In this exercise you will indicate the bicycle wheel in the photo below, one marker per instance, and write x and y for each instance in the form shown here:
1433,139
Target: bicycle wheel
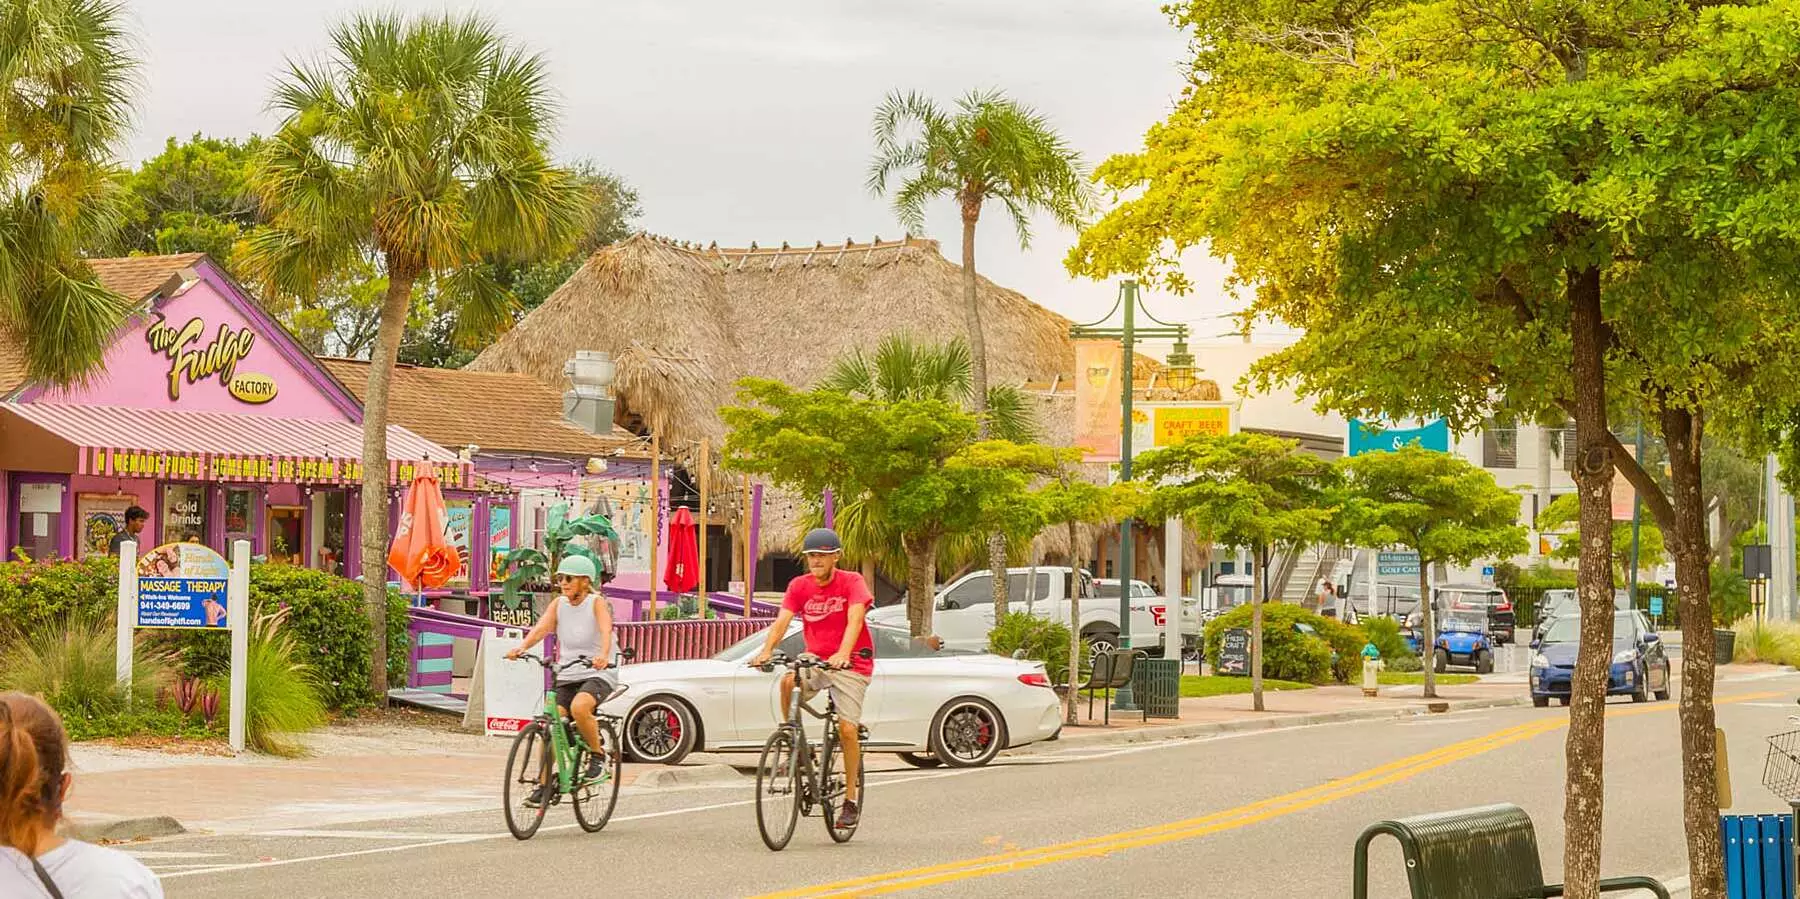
837,789
594,799
527,765
778,789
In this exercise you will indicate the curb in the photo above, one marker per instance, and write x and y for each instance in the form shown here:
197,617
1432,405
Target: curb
1172,732
99,829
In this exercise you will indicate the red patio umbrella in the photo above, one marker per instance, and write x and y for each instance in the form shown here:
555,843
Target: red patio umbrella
683,572
421,552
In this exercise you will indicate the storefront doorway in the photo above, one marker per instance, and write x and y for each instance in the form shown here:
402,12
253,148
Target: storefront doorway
286,546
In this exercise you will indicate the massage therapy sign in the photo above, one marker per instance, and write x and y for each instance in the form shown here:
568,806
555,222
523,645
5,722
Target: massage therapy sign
182,585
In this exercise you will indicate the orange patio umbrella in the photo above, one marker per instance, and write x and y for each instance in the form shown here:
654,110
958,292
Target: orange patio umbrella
421,552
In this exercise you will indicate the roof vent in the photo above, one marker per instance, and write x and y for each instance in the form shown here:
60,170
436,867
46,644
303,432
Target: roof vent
588,403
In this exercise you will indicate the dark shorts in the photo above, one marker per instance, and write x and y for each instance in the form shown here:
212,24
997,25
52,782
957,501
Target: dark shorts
597,687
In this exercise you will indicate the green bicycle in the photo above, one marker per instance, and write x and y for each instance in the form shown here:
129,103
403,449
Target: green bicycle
549,750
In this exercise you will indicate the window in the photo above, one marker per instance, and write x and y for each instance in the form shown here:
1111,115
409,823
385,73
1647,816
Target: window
329,533
39,519
459,529
240,515
183,514
1499,446
1019,581
978,588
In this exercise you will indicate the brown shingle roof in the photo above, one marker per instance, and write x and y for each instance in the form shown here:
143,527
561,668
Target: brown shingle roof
133,277
497,411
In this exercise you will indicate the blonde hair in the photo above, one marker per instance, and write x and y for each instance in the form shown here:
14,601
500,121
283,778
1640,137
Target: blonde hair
34,752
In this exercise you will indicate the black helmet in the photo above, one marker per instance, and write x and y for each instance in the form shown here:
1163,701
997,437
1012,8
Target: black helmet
822,540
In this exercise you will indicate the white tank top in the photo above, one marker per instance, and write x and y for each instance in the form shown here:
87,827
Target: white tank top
578,634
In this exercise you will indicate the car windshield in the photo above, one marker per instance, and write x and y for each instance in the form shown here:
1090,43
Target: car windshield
1469,599
1464,622
742,648
1568,629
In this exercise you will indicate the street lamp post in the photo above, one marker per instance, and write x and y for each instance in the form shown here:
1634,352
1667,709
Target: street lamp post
1127,336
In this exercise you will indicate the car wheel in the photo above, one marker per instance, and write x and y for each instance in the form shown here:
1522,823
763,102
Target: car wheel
1663,694
1642,693
1541,702
920,759
1440,661
1484,662
660,731
1101,639
967,733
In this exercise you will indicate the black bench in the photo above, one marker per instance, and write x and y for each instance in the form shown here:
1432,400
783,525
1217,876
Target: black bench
1473,853
1112,669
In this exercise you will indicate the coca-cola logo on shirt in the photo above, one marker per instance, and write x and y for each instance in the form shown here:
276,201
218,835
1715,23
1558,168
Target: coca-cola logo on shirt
820,607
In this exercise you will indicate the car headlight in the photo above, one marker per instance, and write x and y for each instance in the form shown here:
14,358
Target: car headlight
1538,661
1629,655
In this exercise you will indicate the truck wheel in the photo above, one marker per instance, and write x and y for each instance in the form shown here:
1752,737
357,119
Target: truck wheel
1101,639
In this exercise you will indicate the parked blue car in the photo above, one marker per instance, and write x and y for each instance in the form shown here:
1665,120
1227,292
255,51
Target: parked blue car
1640,666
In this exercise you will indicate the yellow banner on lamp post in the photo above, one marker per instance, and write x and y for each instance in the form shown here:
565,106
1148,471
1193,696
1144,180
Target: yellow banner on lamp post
1158,425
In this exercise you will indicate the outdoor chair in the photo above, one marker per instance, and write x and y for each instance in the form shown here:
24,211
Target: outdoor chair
1473,853
1112,669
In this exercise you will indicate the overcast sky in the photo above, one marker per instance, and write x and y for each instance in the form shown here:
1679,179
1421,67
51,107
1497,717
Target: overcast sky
746,121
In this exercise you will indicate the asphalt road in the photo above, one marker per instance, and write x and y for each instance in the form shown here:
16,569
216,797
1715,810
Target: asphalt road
1263,814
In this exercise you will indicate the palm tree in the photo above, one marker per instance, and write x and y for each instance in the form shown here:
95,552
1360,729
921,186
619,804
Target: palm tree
904,369
66,78
989,148
423,142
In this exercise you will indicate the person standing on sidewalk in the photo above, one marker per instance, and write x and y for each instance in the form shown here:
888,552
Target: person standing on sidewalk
34,784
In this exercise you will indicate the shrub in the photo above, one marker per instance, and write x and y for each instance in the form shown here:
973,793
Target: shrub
281,697
1347,642
1405,663
1042,639
1385,634
1287,653
70,663
1774,642
34,595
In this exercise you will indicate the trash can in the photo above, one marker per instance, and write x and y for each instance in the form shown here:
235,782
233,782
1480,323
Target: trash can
1156,685
1724,644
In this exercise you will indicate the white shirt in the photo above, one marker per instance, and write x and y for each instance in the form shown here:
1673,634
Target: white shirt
81,871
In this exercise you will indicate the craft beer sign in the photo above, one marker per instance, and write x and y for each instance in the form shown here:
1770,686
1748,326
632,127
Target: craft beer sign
190,361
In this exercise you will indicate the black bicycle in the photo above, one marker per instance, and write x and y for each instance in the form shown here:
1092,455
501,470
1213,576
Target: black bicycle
795,778
550,753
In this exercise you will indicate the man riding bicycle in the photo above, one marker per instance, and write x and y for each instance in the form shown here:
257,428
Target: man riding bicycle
582,621
831,605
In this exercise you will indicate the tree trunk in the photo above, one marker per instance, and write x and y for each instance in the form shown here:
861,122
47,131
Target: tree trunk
1682,431
997,565
1427,632
1256,626
978,368
921,565
375,472
1074,588
1584,803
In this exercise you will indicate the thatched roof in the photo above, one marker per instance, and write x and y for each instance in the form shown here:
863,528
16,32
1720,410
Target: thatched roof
662,312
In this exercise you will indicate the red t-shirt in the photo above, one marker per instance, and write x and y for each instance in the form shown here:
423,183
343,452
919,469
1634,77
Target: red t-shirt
824,612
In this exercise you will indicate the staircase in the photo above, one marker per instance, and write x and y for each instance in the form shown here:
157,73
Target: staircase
1296,576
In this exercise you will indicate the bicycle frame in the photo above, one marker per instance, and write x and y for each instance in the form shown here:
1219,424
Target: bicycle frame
562,749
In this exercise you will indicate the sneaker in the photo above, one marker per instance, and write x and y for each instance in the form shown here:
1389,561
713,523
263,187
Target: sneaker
596,768
848,815
538,796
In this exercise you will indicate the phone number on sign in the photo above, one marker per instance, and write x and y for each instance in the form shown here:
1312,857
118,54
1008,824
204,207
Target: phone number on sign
172,605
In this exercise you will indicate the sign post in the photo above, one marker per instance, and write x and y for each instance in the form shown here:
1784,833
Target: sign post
188,586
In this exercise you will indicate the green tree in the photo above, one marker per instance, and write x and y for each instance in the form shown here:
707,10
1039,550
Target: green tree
902,368
1249,490
66,72
989,148
917,460
1564,510
1072,501
1436,504
1546,207
423,140
193,197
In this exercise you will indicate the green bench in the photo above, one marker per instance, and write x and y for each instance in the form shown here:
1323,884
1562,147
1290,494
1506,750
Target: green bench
1474,853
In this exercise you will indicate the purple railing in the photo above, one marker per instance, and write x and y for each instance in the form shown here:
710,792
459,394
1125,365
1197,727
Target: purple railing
434,634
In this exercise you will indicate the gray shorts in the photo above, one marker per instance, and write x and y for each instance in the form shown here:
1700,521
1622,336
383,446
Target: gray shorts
847,689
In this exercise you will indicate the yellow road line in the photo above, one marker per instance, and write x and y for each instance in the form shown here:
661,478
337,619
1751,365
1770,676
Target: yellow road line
1229,819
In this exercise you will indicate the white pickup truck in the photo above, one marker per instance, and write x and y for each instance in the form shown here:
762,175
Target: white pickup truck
965,608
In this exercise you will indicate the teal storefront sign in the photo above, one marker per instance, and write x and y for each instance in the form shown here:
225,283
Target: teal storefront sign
1372,438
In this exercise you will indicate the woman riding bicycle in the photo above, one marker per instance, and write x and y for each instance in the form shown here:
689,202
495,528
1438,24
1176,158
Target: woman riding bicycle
582,621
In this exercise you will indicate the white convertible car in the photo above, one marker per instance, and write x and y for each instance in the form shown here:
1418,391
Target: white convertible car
947,707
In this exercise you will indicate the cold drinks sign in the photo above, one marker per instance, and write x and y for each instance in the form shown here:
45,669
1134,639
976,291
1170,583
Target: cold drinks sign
182,585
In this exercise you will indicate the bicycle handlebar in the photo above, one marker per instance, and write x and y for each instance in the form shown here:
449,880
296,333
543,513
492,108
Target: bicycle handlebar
807,660
578,660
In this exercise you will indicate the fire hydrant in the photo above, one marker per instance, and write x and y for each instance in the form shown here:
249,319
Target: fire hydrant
1371,669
